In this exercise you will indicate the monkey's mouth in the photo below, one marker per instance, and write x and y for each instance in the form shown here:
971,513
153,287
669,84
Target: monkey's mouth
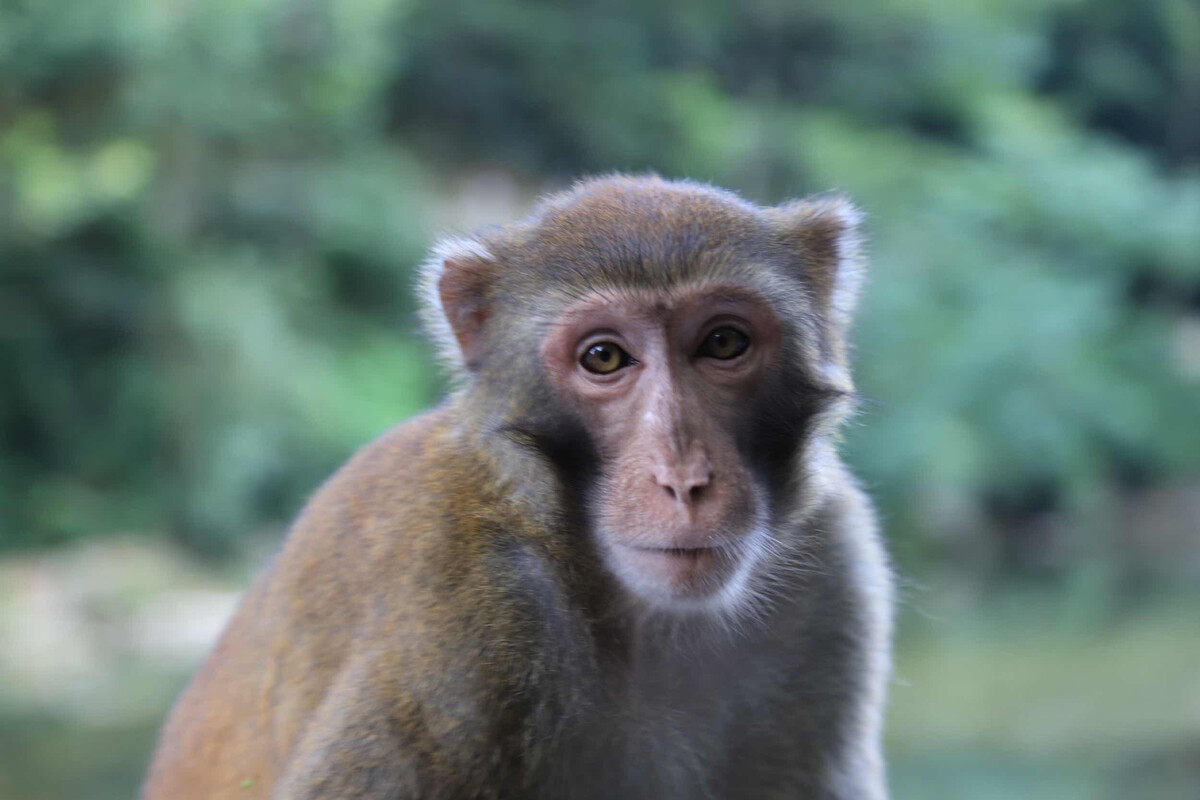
679,572
697,557
684,552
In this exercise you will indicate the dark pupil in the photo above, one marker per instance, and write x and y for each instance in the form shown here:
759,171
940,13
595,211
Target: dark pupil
725,343
603,354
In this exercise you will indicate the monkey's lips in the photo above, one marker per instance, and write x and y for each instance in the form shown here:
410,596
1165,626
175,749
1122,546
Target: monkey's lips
678,572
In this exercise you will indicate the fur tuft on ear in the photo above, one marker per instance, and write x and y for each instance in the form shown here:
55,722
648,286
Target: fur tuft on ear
823,234
824,230
455,288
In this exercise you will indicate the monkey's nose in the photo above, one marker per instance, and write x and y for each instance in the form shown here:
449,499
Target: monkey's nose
684,482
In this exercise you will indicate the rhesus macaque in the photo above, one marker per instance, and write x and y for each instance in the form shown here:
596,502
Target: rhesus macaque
623,560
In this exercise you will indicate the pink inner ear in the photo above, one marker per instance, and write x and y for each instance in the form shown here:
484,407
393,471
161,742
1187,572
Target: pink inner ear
462,290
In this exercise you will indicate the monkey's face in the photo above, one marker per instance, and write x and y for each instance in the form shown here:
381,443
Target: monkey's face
662,381
676,357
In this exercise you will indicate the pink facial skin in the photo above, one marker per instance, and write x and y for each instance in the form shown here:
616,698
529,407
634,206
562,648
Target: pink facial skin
677,511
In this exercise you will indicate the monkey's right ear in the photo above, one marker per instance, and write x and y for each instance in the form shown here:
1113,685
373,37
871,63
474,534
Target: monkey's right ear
456,283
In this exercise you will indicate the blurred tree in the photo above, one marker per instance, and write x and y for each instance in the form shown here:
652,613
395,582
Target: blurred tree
1132,70
204,247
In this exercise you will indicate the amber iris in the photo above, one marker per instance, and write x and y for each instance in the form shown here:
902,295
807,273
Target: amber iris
604,358
724,343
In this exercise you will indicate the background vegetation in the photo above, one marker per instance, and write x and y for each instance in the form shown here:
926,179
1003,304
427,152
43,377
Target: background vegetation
209,214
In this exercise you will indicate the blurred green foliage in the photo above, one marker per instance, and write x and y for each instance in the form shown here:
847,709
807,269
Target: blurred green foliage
209,214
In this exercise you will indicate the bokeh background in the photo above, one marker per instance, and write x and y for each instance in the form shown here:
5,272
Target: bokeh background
209,217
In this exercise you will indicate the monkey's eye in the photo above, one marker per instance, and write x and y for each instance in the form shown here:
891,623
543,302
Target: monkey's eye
723,343
604,358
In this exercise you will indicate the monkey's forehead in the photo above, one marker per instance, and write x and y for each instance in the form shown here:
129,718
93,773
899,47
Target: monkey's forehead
632,247
743,288
660,303
642,196
623,218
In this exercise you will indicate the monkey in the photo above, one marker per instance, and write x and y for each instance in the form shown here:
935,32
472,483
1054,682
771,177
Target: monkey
623,559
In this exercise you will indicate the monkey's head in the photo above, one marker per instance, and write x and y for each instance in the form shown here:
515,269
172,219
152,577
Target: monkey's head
675,354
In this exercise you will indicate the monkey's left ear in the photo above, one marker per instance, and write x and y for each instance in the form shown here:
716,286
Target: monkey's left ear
824,233
456,284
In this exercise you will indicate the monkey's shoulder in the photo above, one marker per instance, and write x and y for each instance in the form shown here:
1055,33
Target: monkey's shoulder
417,534
392,495
406,564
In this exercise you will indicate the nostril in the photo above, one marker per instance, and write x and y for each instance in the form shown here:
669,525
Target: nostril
681,488
696,486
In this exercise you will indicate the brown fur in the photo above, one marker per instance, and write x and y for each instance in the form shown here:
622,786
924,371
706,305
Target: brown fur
440,623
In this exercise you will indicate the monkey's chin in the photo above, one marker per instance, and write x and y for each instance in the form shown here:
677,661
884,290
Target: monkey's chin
687,579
